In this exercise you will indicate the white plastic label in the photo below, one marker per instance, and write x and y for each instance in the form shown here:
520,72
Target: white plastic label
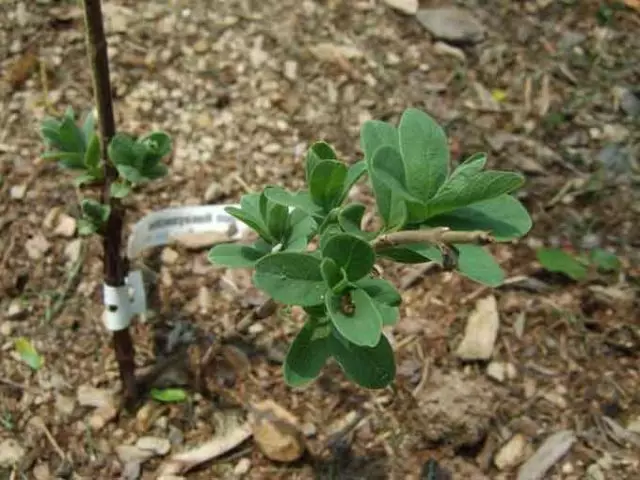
156,228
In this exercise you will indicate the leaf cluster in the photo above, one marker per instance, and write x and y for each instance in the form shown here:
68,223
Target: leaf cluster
313,252
77,148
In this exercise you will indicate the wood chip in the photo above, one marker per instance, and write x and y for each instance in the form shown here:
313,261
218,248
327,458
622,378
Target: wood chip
277,432
550,452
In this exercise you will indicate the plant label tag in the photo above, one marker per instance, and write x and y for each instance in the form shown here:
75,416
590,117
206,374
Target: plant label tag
158,228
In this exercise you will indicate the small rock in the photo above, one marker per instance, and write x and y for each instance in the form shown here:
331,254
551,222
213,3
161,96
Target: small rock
309,429
634,425
204,299
551,451
629,100
66,226
442,48
512,453
410,7
556,399
6,328
10,453
18,192
65,404
16,309
481,331
51,217
451,24
144,416
214,192
72,250
41,472
456,408
271,148
169,256
175,436
131,471
89,396
242,467
157,445
501,371
276,431
594,472
37,247
201,46
290,70
133,454
101,417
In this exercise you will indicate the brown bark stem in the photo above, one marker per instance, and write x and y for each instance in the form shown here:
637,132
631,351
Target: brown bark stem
115,268
434,236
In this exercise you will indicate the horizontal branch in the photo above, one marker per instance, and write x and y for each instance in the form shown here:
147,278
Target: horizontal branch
434,236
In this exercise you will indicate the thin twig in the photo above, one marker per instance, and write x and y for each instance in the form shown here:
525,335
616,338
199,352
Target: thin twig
434,236
42,426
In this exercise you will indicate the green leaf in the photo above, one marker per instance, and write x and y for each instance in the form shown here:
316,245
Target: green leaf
469,168
557,260
277,221
301,200
351,253
479,265
86,178
503,216
302,229
120,190
461,192
388,166
251,221
86,227
373,135
71,137
317,152
92,155
381,291
70,160
604,260
50,132
372,368
327,182
291,278
169,395
425,152
362,326
122,151
158,144
354,173
28,353
234,255
89,127
308,353
94,216
350,218
130,173
334,276
158,170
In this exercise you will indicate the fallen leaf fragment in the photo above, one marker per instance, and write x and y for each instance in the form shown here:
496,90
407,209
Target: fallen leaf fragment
218,445
550,452
481,331
277,432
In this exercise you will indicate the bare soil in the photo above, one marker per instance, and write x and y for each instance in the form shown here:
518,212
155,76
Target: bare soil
244,87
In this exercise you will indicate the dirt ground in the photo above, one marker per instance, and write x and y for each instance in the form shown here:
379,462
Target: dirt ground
243,87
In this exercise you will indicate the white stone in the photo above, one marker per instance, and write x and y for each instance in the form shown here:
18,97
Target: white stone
18,192
511,453
410,7
481,331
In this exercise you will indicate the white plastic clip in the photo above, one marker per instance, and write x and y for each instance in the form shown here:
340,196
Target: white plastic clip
122,303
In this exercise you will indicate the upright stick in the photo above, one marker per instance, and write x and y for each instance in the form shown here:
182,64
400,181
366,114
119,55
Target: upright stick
115,269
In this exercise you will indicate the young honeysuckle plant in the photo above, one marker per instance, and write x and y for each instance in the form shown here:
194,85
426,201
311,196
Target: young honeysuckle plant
313,252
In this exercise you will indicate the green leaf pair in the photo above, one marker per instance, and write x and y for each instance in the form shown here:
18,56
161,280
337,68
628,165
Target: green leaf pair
138,161
318,341
576,267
